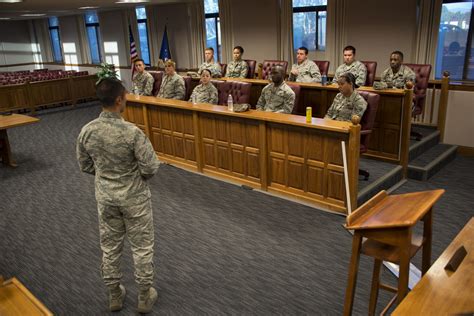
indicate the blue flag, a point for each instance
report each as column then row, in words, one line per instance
column 165, row 53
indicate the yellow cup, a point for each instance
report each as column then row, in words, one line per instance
column 309, row 114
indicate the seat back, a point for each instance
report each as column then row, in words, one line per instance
column 252, row 64
column 158, row 76
column 368, row 118
column 422, row 72
column 187, row 87
column 222, row 91
column 268, row 65
column 296, row 89
column 371, row 68
column 323, row 66
column 223, row 69
column 240, row 92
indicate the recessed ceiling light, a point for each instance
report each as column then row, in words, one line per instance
column 131, row 1
column 11, row 1
column 5, row 18
column 34, row 14
column 87, row 8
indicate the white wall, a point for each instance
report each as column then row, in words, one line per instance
column 15, row 43
column 255, row 27
column 460, row 119
column 69, row 33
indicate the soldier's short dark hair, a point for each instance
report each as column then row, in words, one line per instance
column 241, row 50
column 349, row 78
column 397, row 52
column 137, row 60
column 205, row 69
column 210, row 48
column 305, row 49
column 108, row 90
column 349, row 47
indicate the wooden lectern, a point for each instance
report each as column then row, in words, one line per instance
column 387, row 223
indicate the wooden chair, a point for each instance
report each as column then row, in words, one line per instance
column 323, row 66
column 371, row 68
column 268, row 65
column 251, row 71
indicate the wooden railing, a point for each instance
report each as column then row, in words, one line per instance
column 34, row 94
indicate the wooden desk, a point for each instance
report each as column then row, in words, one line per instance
column 443, row 292
column 16, row 300
column 274, row 152
column 389, row 220
column 390, row 138
column 6, row 122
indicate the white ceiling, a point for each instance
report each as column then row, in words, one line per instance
column 64, row 7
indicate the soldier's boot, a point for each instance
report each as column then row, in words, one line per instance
column 146, row 300
column 116, row 297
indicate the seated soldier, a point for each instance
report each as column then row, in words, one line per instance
column 172, row 85
column 347, row 102
column 277, row 96
column 397, row 75
column 204, row 92
column 215, row 68
column 142, row 82
column 304, row 70
column 238, row 68
column 351, row 65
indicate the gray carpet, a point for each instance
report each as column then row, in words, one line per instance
column 219, row 249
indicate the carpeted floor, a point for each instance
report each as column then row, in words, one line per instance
column 219, row 249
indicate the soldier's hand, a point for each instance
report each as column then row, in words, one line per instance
column 294, row 72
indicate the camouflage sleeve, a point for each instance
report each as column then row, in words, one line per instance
column 315, row 73
column 179, row 89
column 149, row 85
column 332, row 109
column 361, row 74
column 86, row 164
column 383, row 77
column 260, row 106
column 359, row 106
column 337, row 74
column 217, row 71
column 411, row 76
column 148, row 162
column 134, row 86
column 289, row 102
column 214, row 97
column 201, row 67
column 244, row 71
column 192, row 95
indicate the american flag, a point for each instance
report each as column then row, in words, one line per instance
column 133, row 50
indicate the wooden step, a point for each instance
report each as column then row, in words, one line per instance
column 16, row 300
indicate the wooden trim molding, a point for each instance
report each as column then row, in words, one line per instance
column 466, row 151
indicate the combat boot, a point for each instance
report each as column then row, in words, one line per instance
column 146, row 300
column 116, row 298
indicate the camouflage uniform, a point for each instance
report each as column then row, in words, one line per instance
column 308, row 71
column 237, row 69
column 357, row 68
column 279, row 99
column 214, row 68
column 172, row 87
column 343, row 108
column 122, row 158
column 142, row 83
column 399, row 79
column 205, row 94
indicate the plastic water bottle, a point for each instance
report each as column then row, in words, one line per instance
column 194, row 99
column 324, row 80
column 230, row 103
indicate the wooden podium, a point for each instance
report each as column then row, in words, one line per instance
column 387, row 223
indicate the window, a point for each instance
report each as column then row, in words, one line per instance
column 309, row 24
column 92, row 30
column 455, row 51
column 143, row 34
column 213, row 27
column 55, row 39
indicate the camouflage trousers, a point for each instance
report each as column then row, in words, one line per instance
column 136, row 222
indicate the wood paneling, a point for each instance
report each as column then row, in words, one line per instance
column 34, row 94
column 271, row 151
